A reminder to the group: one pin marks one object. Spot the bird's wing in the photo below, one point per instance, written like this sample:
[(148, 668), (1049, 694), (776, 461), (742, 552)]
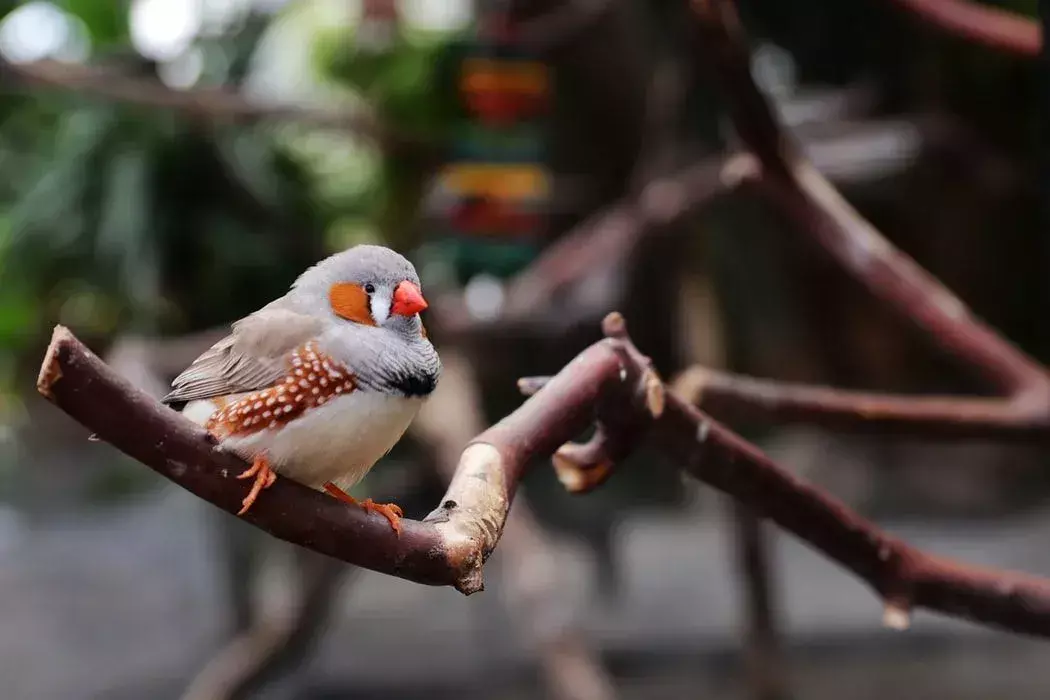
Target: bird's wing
[(252, 357)]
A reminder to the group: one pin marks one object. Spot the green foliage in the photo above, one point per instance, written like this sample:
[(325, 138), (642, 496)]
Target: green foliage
[(106, 22), (114, 217), (411, 86), (406, 84)]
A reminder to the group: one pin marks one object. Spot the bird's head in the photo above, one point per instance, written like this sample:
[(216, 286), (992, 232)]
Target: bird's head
[(367, 285)]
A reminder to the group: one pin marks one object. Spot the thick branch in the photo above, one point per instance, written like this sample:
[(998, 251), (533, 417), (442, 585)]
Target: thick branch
[(532, 585), (993, 27), (787, 180), (448, 548), (903, 576)]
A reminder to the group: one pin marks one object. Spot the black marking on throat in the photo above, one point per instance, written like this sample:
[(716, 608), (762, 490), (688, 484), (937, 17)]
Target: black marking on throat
[(412, 384)]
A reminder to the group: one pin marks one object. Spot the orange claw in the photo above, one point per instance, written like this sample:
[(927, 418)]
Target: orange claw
[(391, 511), (264, 478)]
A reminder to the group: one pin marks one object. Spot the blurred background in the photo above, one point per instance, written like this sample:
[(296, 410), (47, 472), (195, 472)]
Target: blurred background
[(168, 166)]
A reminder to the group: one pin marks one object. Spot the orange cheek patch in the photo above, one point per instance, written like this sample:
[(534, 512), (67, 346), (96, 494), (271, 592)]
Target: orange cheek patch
[(350, 301)]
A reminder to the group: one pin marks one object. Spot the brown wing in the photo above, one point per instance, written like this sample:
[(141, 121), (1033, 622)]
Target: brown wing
[(252, 357)]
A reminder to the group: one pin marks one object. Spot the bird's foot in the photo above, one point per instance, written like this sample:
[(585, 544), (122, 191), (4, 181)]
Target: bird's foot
[(264, 478), (391, 511)]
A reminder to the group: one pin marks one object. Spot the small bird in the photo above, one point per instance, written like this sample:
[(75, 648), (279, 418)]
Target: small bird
[(321, 383)]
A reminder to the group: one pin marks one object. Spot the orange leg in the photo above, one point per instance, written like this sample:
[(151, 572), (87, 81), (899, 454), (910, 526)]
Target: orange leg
[(342, 495), (392, 512), (264, 478)]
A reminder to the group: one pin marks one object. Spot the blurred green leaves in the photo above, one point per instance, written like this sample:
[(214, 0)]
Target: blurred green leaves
[(407, 83), (115, 217), (106, 21), (410, 83)]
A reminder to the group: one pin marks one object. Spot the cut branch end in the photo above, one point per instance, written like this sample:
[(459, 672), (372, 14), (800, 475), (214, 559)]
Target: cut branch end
[(50, 371)]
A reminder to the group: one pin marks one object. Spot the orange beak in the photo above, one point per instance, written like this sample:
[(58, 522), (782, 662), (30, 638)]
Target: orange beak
[(408, 300)]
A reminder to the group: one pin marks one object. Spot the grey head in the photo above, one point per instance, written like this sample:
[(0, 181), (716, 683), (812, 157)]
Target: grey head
[(368, 285)]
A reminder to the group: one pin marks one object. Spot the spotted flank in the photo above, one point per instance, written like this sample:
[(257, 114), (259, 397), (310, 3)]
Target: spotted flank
[(313, 379)]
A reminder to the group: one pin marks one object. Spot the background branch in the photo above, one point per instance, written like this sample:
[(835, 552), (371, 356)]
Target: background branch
[(602, 241), (783, 177), (989, 26), (276, 643), (740, 399), (764, 659), (795, 188), (207, 104)]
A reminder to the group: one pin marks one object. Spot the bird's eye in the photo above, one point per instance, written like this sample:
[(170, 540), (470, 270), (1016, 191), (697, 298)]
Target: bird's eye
[(370, 288)]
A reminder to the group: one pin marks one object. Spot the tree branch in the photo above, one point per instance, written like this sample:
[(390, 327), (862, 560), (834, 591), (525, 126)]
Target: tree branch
[(778, 171), (993, 27), (208, 104), (819, 211), (532, 586), (902, 575), (762, 641), (738, 398), (558, 26), (791, 183), (447, 548), (600, 242), (611, 380), (277, 642)]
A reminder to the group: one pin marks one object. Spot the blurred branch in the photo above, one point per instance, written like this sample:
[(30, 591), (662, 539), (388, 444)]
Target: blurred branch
[(559, 25), (206, 104), (789, 182), (820, 212), (755, 569), (779, 172), (738, 398), (993, 27), (602, 241), (660, 139), (273, 645), (611, 380), (164, 356)]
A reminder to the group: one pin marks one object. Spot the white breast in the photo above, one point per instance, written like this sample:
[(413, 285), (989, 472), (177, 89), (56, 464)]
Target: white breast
[(338, 442)]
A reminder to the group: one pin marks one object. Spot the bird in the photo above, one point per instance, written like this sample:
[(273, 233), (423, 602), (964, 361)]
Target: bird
[(321, 383)]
